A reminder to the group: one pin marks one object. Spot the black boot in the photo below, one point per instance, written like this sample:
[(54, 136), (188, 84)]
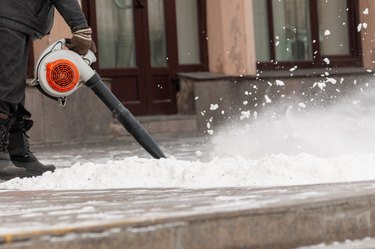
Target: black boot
[(19, 151), (7, 169)]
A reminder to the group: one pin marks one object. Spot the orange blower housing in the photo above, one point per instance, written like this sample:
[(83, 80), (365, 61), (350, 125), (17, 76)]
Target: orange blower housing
[(62, 75)]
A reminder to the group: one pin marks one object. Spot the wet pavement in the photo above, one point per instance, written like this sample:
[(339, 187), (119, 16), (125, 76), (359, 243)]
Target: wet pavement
[(186, 147)]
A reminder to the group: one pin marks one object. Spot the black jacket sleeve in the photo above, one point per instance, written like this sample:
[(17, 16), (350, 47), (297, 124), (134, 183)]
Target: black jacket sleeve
[(72, 13)]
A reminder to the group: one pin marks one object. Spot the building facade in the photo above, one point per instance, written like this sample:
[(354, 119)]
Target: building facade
[(165, 57)]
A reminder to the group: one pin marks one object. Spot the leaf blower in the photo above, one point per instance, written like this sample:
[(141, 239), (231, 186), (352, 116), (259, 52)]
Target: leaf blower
[(60, 72)]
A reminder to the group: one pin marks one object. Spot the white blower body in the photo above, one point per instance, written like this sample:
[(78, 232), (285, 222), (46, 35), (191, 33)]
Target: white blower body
[(60, 72)]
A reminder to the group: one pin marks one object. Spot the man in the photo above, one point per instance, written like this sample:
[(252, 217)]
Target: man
[(20, 21)]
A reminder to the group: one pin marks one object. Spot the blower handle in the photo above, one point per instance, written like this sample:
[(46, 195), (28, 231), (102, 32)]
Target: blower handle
[(89, 58), (124, 116)]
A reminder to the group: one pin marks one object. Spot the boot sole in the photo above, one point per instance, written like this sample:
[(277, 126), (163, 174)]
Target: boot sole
[(24, 175), (25, 165), (7, 178)]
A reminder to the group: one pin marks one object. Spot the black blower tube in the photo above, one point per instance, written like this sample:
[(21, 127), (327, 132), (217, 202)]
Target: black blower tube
[(124, 116)]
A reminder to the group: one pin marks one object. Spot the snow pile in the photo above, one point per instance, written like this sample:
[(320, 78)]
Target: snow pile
[(134, 172)]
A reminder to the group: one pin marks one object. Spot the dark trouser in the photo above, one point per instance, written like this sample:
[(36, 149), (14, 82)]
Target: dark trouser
[(14, 51)]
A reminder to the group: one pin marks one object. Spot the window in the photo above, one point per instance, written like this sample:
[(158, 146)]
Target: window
[(305, 33), (157, 33), (187, 32), (191, 35), (116, 36)]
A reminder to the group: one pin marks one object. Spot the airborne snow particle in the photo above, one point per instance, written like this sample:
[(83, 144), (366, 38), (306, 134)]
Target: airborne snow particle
[(327, 61), (214, 107), (331, 80), (293, 69), (302, 105), (359, 27), (280, 83), (268, 100), (327, 32), (245, 114), (322, 85)]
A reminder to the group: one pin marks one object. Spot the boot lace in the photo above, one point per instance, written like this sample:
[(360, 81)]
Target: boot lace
[(28, 152), (20, 143), (4, 138)]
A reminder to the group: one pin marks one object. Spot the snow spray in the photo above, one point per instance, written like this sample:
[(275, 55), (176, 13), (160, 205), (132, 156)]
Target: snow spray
[(348, 126)]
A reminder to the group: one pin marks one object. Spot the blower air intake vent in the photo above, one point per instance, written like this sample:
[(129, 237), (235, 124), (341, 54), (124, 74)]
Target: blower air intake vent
[(62, 75)]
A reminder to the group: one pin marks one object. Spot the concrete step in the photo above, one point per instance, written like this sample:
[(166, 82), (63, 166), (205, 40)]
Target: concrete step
[(161, 124)]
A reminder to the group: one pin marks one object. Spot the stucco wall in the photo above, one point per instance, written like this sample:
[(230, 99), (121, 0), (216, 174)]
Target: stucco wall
[(231, 43), (59, 30), (368, 34)]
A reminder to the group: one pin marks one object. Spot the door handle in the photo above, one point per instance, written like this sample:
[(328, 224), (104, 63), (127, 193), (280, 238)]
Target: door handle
[(139, 4)]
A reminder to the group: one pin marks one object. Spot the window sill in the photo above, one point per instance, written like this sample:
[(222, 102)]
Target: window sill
[(203, 76), (313, 72), (269, 74)]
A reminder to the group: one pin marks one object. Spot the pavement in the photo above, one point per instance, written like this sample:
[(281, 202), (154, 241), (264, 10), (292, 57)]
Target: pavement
[(278, 217), (366, 243), (182, 147)]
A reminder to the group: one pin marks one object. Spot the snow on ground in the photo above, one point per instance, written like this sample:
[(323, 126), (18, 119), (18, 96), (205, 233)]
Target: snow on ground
[(294, 147), (135, 172)]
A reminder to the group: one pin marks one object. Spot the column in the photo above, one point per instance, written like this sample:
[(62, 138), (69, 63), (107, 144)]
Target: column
[(231, 43)]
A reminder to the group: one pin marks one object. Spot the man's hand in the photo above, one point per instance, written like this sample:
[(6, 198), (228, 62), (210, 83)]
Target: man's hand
[(81, 42)]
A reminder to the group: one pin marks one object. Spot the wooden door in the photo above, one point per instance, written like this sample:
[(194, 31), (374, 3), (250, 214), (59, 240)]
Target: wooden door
[(137, 50)]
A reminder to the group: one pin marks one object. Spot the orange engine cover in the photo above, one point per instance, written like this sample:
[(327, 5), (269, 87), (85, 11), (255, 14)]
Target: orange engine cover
[(62, 75)]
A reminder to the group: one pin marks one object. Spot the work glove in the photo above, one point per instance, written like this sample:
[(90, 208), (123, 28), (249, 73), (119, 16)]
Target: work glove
[(81, 42)]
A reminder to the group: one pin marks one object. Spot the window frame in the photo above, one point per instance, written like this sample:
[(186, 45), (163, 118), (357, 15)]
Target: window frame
[(90, 12), (352, 60), (203, 43)]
